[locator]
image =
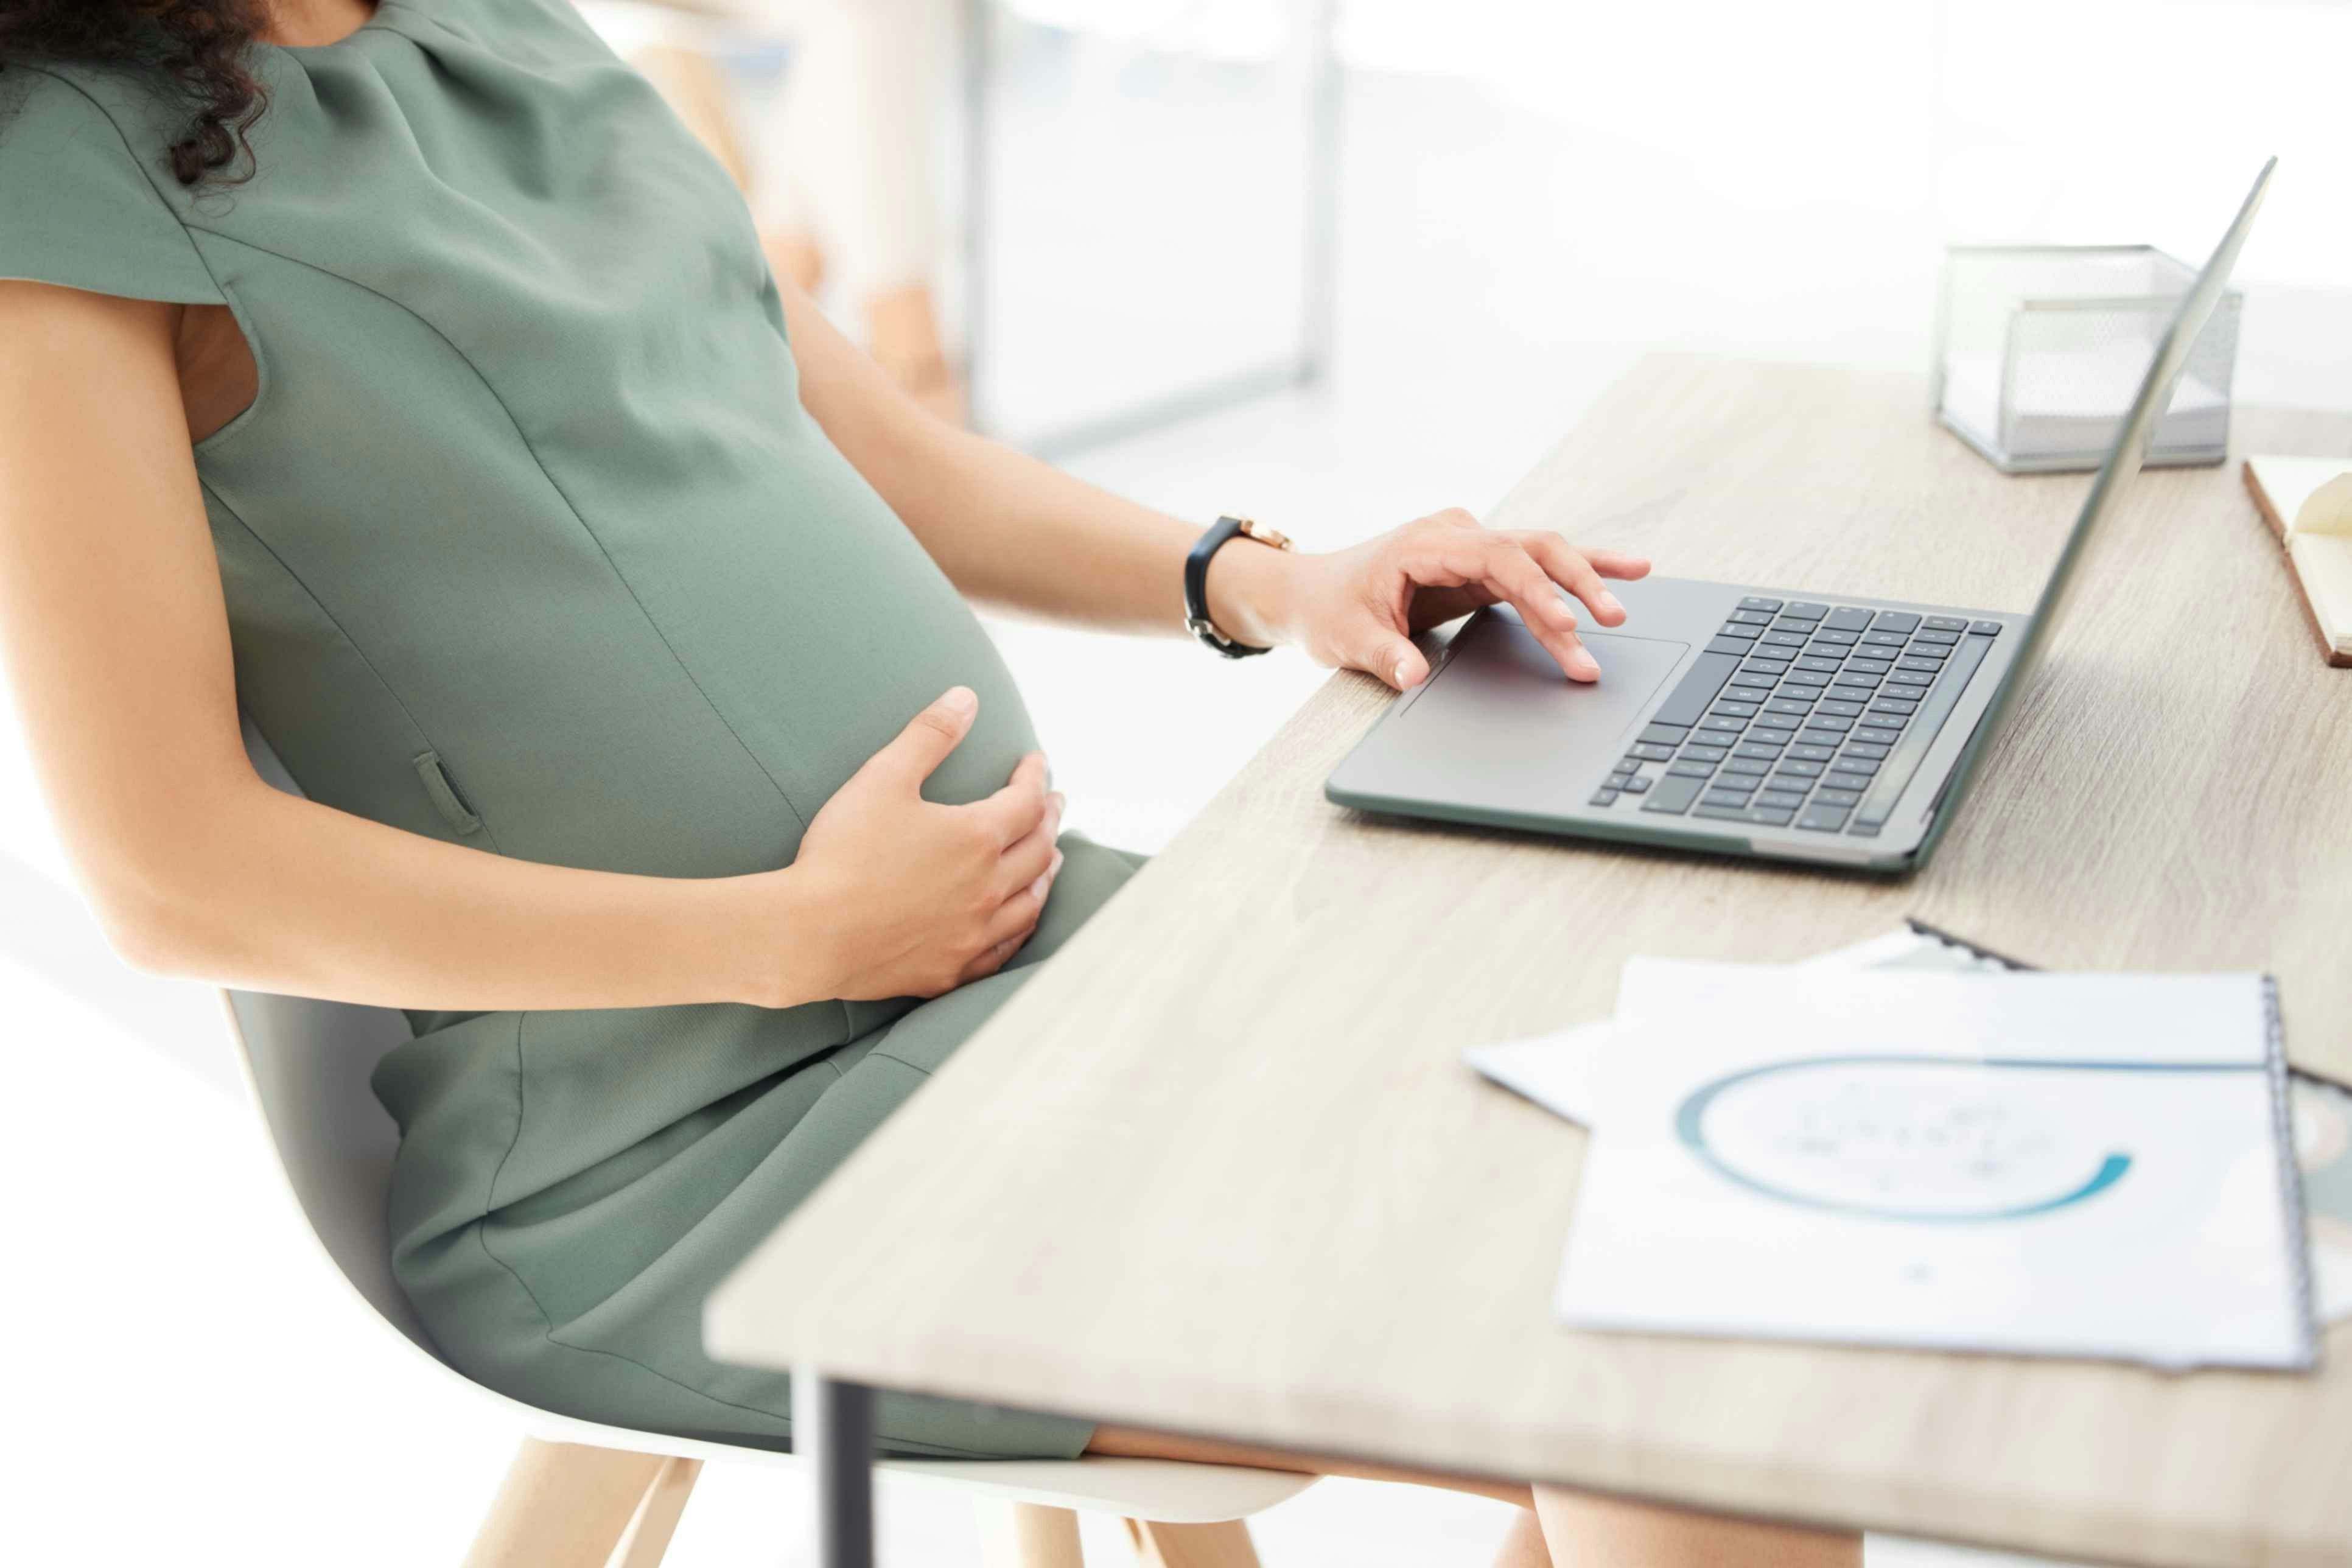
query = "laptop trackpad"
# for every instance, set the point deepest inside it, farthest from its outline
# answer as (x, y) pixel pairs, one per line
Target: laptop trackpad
(1501, 711)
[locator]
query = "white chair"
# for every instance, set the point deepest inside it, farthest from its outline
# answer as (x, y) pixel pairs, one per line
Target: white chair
(583, 1495)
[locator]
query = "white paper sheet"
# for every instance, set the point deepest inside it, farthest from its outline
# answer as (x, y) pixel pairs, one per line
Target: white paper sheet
(2036, 1163)
(1555, 1070)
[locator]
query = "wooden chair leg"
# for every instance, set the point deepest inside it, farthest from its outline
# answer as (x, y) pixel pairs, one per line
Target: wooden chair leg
(648, 1535)
(1192, 1545)
(563, 1505)
(1027, 1535)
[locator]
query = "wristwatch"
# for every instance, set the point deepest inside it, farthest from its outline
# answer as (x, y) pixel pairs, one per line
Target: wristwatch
(1196, 580)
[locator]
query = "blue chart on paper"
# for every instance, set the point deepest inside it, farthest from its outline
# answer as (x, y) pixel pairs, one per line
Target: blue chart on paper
(1921, 1139)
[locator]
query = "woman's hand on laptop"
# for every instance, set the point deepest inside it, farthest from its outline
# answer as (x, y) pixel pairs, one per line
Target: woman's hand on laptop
(1359, 608)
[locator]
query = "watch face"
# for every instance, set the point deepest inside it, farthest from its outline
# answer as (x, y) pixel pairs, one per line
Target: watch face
(1264, 534)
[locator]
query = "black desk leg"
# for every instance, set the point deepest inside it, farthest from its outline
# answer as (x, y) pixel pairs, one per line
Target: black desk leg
(833, 1424)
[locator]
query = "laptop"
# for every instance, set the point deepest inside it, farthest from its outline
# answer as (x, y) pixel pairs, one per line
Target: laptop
(1768, 723)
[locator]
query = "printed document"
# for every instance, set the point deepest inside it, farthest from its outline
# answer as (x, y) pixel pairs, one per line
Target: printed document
(2033, 1163)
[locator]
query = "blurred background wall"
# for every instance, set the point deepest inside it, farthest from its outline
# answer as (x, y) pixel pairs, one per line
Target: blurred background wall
(1576, 177)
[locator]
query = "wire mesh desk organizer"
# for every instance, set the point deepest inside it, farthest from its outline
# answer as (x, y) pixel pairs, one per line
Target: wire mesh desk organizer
(2041, 349)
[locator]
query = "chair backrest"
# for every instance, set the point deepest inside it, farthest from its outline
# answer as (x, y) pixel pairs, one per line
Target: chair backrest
(308, 1063)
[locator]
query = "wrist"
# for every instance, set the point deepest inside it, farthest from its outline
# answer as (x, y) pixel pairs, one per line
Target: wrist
(772, 948)
(1249, 592)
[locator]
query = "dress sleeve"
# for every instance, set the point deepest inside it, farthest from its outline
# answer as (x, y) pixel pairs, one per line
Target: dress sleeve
(77, 204)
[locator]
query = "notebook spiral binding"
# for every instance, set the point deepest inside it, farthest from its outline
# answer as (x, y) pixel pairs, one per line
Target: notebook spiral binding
(1934, 933)
(2283, 1119)
(2281, 1125)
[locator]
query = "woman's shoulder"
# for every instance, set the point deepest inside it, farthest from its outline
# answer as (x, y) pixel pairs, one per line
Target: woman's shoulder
(70, 89)
(66, 118)
(82, 186)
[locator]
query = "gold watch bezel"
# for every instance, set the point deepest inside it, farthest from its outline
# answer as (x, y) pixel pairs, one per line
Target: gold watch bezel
(1251, 528)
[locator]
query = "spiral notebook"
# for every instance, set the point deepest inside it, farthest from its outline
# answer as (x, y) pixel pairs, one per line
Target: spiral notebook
(2082, 1165)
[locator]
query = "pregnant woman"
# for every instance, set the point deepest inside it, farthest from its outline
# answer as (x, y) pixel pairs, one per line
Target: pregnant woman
(405, 376)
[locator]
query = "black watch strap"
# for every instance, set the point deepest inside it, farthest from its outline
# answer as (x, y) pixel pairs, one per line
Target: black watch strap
(1196, 581)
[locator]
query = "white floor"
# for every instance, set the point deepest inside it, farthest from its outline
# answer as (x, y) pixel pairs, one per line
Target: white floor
(185, 1383)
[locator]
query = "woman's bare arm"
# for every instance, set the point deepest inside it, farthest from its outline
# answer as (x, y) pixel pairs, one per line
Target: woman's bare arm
(116, 637)
(1011, 531)
(1007, 529)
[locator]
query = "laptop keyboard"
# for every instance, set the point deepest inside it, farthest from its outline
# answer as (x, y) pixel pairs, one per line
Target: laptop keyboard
(1801, 714)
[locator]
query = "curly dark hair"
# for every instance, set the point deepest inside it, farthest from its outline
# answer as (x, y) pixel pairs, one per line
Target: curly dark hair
(196, 50)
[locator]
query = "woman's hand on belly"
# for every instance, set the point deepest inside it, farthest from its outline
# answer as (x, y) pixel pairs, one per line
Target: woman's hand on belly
(902, 896)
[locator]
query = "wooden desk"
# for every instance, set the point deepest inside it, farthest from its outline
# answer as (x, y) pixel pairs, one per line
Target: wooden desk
(1220, 1169)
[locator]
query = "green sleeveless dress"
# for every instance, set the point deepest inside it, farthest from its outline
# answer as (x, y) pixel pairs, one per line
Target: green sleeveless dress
(529, 544)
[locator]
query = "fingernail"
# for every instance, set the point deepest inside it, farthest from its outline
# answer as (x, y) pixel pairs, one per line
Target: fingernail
(1609, 601)
(1060, 803)
(1055, 868)
(960, 700)
(1580, 665)
(1405, 672)
(1037, 890)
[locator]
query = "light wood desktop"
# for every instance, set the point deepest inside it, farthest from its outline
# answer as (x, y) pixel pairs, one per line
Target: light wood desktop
(1220, 1169)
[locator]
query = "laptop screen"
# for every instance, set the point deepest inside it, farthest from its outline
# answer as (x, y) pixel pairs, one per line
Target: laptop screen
(2122, 465)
